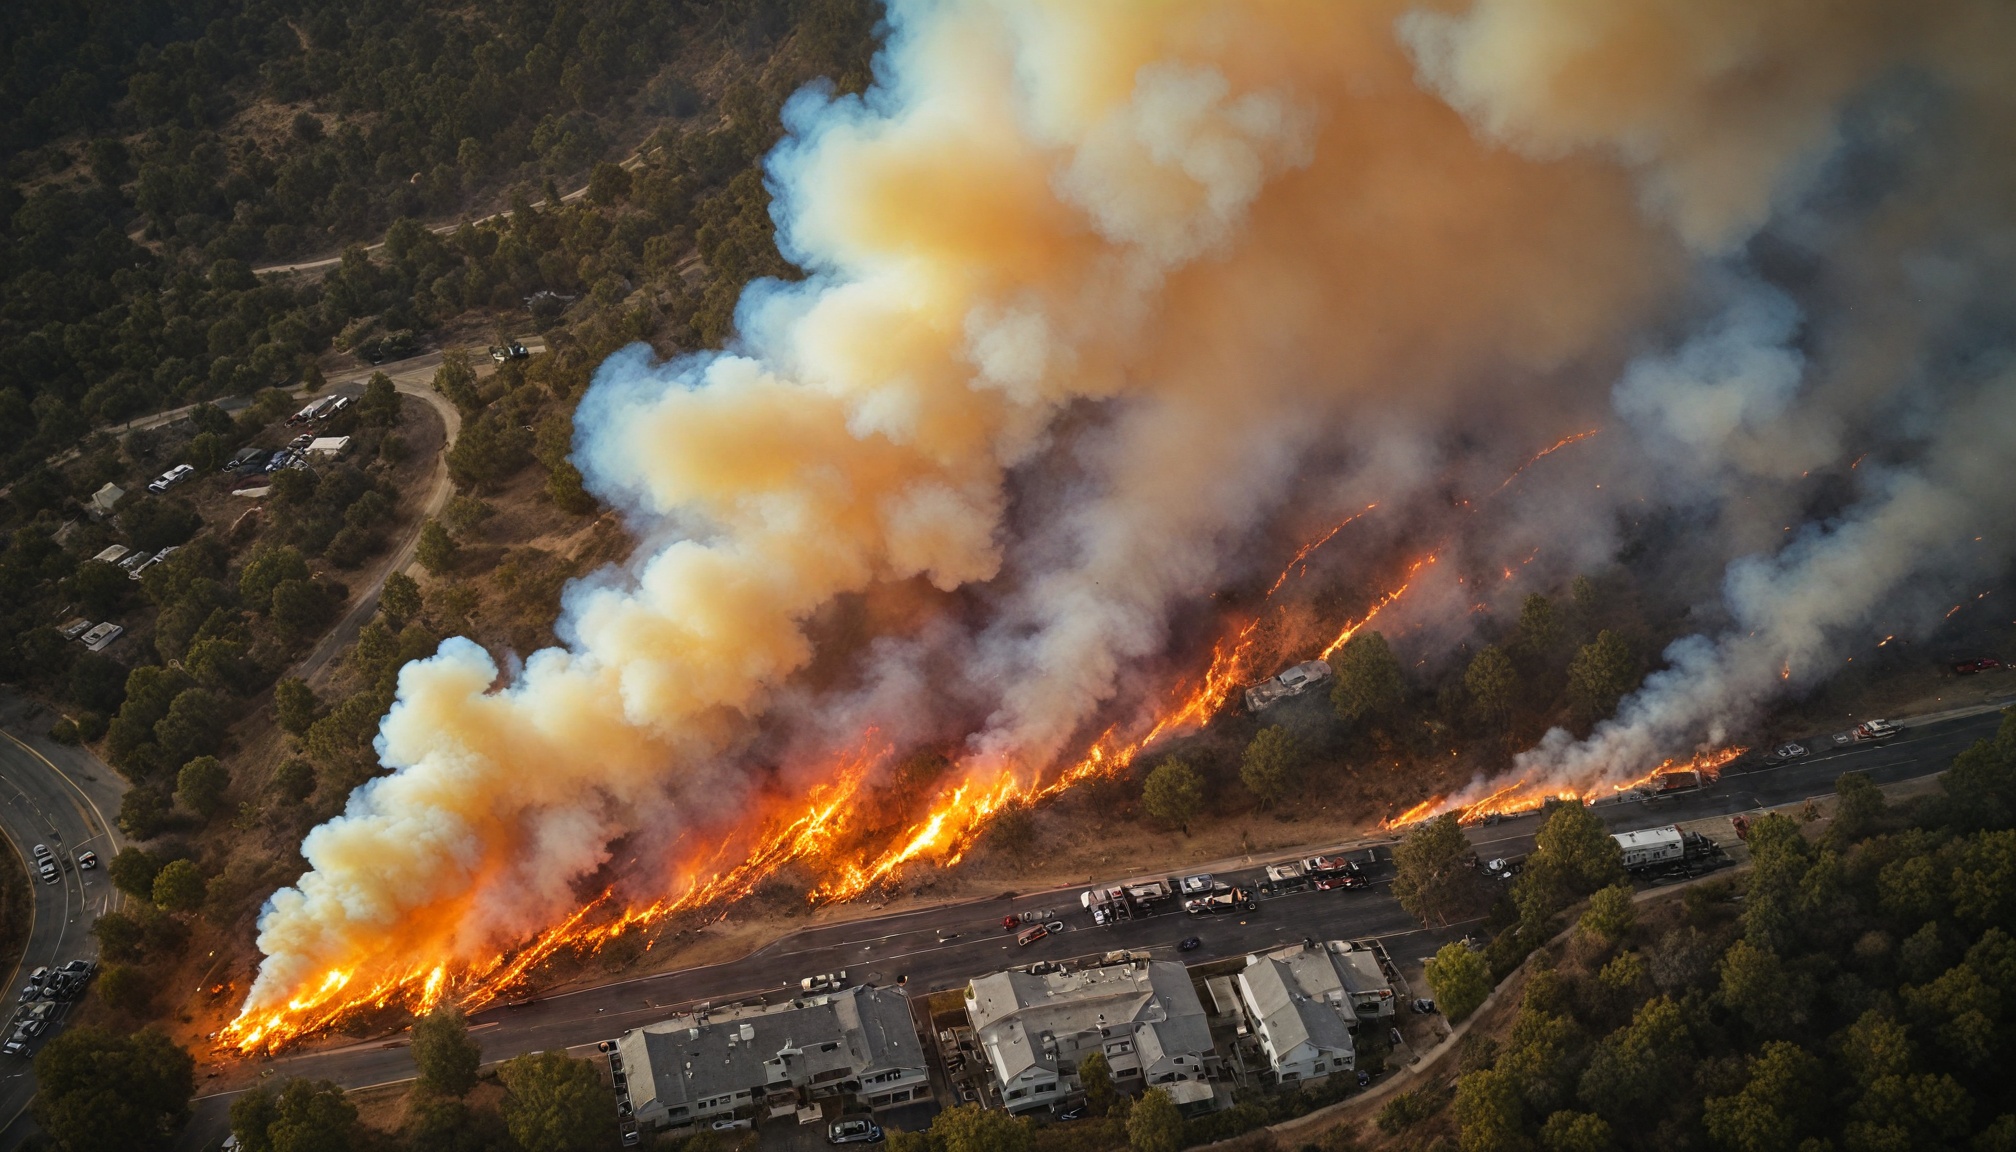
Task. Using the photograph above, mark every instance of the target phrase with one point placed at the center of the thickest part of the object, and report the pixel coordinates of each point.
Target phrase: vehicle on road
(171, 477)
(49, 873)
(511, 351)
(1330, 883)
(1220, 903)
(87, 859)
(1977, 664)
(1330, 866)
(1198, 885)
(1786, 753)
(1876, 730)
(315, 410)
(42, 852)
(854, 1130)
(1030, 936)
(824, 982)
(1036, 917)
(947, 937)
(732, 1123)
(1506, 867)
(1054, 927)
(1189, 944)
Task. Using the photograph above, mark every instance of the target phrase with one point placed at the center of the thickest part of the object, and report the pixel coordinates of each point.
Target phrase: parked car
(511, 351)
(1348, 880)
(1424, 1006)
(1785, 753)
(854, 1130)
(171, 477)
(1030, 936)
(824, 982)
(87, 859)
(1977, 664)
(49, 873)
(1189, 944)
(1054, 927)
(1230, 900)
(1876, 730)
(245, 459)
(732, 1123)
(42, 852)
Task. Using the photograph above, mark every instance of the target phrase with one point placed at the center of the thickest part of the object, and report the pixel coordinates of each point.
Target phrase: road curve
(65, 798)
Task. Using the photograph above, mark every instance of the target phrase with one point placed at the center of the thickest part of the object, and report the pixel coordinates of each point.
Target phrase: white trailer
(1652, 847)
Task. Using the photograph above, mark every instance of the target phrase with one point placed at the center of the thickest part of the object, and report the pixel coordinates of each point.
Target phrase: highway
(942, 947)
(65, 798)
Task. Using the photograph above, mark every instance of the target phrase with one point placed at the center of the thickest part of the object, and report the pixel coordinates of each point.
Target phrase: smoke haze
(1104, 302)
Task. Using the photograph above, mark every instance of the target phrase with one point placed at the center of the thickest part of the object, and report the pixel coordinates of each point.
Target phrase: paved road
(941, 948)
(64, 798)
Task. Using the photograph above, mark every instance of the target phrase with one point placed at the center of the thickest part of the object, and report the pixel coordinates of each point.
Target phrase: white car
(1876, 730)
(824, 982)
(172, 477)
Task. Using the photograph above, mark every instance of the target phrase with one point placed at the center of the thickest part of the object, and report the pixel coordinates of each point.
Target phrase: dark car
(1978, 664)
(1348, 880)
(854, 1130)
(1189, 944)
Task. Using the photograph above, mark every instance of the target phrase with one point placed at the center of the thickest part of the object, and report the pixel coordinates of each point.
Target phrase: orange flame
(1523, 795)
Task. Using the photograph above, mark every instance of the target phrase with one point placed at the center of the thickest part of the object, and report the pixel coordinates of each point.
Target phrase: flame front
(1524, 794)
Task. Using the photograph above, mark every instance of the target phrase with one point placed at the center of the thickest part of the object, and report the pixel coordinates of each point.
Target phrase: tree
(436, 550)
(1369, 684)
(1775, 1108)
(102, 587)
(1603, 671)
(446, 1056)
(456, 379)
(1460, 978)
(1610, 915)
(1095, 1076)
(555, 1104)
(133, 871)
(379, 406)
(1635, 1067)
(489, 449)
(194, 726)
(299, 608)
(1431, 870)
(265, 572)
(298, 1116)
(144, 813)
(1269, 767)
(179, 886)
(1573, 856)
(127, 988)
(1491, 681)
(1758, 988)
(608, 184)
(100, 1090)
(295, 705)
(1539, 626)
(1154, 1124)
(1173, 793)
(970, 1128)
(1860, 807)
(201, 785)
(399, 599)
(1489, 1113)
(295, 779)
(1576, 1132)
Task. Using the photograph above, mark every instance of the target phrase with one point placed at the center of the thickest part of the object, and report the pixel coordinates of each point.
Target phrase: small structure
(328, 447)
(710, 1066)
(75, 627)
(103, 500)
(1143, 1015)
(111, 554)
(102, 636)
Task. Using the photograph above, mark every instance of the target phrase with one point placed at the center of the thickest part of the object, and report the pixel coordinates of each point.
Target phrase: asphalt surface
(939, 948)
(65, 798)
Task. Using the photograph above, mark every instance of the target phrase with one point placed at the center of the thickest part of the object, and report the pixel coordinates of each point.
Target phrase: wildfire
(1564, 442)
(1524, 795)
(810, 829)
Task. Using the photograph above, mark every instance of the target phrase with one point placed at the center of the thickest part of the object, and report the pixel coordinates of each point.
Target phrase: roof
(1646, 837)
(1290, 1013)
(688, 1058)
(108, 495)
(1018, 1016)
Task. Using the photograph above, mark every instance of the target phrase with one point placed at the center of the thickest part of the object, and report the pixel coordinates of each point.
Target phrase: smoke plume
(1103, 302)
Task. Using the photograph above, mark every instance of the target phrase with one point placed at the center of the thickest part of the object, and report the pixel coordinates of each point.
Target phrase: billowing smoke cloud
(1099, 297)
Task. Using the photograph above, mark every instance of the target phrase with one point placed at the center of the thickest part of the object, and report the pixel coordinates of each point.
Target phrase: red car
(1330, 882)
(1978, 664)
(1010, 923)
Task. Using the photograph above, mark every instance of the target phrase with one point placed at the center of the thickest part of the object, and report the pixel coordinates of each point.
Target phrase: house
(111, 554)
(328, 447)
(857, 1042)
(1302, 1002)
(1144, 1016)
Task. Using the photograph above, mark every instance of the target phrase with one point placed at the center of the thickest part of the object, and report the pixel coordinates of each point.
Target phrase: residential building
(105, 499)
(1144, 1016)
(856, 1042)
(1302, 1002)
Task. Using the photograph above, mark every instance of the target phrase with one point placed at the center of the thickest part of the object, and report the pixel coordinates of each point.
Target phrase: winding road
(66, 798)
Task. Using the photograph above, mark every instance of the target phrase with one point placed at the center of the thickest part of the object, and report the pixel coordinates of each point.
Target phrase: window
(1287, 1076)
(1042, 1088)
(1018, 1093)
(829, 1074)
(1319, 1065)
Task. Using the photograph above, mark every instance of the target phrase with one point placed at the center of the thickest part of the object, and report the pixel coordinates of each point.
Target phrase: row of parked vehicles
(47, 989)
(1207, 895)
